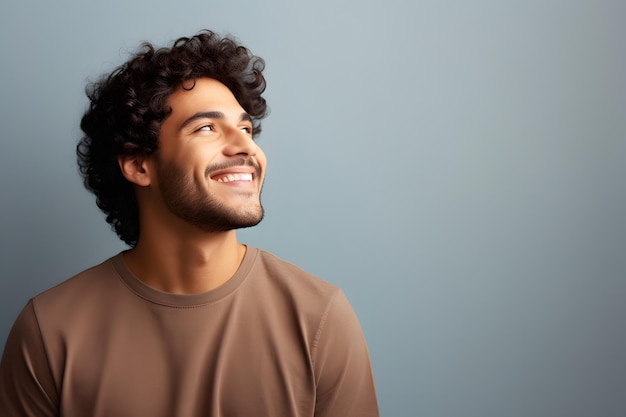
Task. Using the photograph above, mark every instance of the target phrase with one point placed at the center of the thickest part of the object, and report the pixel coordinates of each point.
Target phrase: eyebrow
(245, 117)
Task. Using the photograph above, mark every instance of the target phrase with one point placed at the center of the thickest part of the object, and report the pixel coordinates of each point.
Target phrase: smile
(234, 177)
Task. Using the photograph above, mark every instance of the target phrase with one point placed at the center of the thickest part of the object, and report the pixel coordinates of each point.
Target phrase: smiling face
(209, 171)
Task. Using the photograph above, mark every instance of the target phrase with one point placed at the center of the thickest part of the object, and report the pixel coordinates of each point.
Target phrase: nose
(240, 143)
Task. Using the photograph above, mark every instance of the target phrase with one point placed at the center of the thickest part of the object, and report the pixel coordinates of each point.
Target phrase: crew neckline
(185, 300)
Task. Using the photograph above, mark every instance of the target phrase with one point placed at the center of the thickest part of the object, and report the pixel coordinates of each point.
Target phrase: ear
(135, 168)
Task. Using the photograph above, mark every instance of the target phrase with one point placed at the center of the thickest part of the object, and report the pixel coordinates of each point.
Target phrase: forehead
(202, 94)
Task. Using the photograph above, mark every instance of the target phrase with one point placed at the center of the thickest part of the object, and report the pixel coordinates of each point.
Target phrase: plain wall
(457, 167)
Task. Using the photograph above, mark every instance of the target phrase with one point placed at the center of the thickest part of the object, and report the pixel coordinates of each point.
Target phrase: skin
(206, 128)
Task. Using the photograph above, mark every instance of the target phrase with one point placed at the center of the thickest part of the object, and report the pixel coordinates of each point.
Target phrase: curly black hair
(128, 106)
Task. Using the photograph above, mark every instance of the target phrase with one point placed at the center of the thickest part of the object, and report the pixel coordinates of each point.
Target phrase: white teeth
(235, 177)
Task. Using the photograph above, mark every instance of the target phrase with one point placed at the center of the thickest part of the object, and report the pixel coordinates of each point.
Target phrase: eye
(246, 129)
(206, 128)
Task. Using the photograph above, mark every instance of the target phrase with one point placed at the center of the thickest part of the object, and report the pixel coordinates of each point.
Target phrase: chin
(228, 220)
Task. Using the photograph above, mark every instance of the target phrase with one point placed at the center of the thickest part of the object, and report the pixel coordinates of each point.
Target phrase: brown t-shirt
(272, 341)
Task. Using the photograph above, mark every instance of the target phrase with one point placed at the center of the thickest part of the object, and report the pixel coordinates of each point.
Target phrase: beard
(202, 209)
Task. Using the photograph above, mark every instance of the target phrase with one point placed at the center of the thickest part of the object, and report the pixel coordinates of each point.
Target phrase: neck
(188, 264)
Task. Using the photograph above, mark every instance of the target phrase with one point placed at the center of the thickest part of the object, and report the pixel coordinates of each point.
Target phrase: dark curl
(128, 106)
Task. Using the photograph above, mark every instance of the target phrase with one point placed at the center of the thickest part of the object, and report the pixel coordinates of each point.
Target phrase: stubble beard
(194, 206)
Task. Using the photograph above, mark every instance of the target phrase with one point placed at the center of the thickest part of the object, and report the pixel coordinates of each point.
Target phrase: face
(209, 170)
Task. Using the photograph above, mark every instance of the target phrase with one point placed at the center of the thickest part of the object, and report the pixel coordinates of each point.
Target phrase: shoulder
(82, 289)
(337, 347)
(293, 279)
(277, 285)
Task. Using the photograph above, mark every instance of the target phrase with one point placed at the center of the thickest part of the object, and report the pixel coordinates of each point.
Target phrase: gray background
(457, 167)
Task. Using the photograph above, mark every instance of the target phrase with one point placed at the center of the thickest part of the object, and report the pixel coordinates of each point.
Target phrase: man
(188, 321)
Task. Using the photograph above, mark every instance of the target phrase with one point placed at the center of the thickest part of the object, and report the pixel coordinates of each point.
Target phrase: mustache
(232, 163)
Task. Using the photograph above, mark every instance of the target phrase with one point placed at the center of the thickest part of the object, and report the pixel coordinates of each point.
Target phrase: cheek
(197, 159)
(186, 169)
(263, 165)
(261, 159)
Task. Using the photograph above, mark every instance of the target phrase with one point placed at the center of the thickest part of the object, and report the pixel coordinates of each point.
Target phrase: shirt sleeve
(26, 384)
(343, 371)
